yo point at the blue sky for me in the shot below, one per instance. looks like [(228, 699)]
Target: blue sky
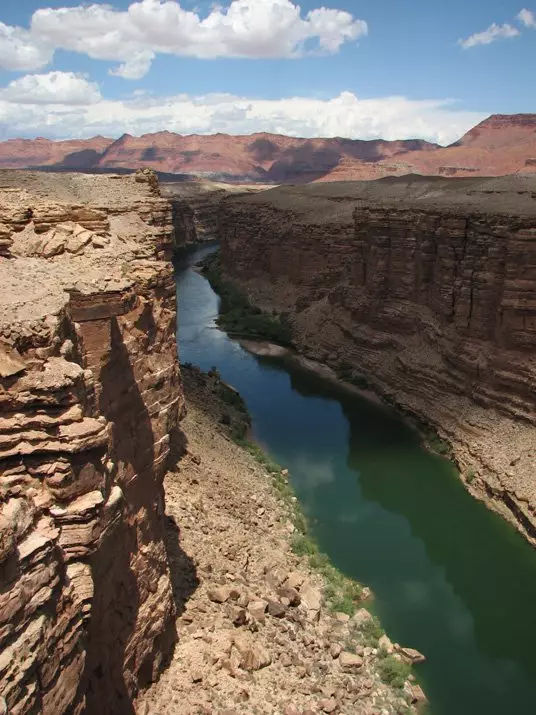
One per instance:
[(376, 67)]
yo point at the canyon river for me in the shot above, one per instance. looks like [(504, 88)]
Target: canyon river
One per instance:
[(450, 578)]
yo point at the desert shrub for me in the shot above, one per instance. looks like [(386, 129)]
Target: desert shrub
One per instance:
[(214, 372), (394, 672), (372, 631)]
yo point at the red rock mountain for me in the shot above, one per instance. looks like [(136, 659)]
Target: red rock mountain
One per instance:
[(74, 153), (502, 144)]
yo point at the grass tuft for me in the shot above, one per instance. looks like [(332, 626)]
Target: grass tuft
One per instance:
[(393, 672)]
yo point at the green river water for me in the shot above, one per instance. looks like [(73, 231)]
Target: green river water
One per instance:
[(450, 578)]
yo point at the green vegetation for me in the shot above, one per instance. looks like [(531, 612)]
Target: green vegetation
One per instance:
[(371, 631), (430, 437), (232, 397), (341, 594), (470, 476), (214, 372), (393, 671), (436, 444), (238, 317), (261, 457)]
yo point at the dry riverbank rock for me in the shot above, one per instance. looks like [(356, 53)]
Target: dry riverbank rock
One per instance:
[(350, 661)]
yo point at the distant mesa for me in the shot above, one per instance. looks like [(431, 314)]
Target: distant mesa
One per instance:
[(502, 144)]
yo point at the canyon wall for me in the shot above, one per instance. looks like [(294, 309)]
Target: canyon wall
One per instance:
[(91, 399), (196, 206), (425, 286)]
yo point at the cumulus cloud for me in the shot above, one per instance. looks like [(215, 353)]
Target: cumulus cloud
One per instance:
[(527, 18), (493, 33), (245, 28), (344, 115), (20, 51), (52, 88), (136, 67)]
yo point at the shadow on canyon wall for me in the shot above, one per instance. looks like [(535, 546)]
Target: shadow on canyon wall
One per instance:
[(131, 554), (184, 578)]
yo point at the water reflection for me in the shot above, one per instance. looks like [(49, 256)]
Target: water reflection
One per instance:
[(451, 578)]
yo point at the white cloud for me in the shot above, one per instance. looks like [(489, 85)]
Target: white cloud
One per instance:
[(19, 51), (493, 33), (136, 67), (344, 115), (52, 88), (245, 28), (528, 18)]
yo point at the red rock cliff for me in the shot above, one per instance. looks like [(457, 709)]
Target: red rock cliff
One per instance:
[(90, 398), (428, 287)]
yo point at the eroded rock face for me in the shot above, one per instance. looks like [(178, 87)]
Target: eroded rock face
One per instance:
[(90, 403), (196, 206), (425, 286)]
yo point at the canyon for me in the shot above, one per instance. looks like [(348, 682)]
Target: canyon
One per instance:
[(145, 556), (151, 560), (425, 288), (501, 144)]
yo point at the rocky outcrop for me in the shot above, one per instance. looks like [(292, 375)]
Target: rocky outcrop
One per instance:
[(90, 400), (425, 286)]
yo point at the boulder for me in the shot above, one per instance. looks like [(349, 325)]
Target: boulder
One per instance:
[(11, 363), (361, 616), (350, 661), (219, 594), (258, 609), (276, 609), (385, 644), (335, 650), (291, 594), (410, 655), (311, 597), (295, 579)]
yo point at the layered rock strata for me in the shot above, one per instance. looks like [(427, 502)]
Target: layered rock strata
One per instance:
[(90, 400), (427, 286), (196, 206)]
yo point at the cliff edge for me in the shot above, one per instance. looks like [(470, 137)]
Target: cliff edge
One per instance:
[(426, 286), (91, 399)]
